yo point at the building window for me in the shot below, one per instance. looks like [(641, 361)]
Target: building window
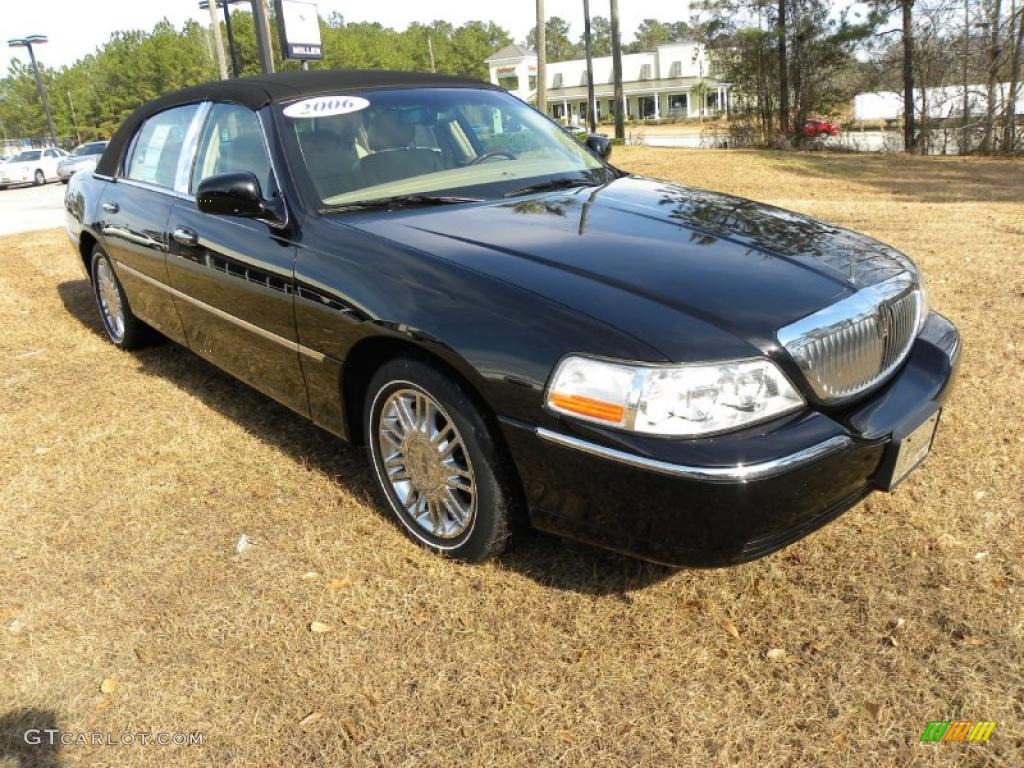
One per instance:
[(713, 101), (676, 70), (646, 106), (533, 82), (583, 78), (557, 82), (678, 104), (645, 71), (509, 83)]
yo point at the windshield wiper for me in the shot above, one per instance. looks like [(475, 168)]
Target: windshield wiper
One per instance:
[(400, 201), (563, 182)]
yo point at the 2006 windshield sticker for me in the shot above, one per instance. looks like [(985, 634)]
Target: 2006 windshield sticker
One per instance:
[(324, 106)]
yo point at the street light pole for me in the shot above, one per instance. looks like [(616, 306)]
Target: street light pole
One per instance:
[(222, 65), (27, 42), (259, 12)]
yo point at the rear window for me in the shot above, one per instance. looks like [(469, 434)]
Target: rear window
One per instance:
[(25, 156), (158, 145), (90, 149)]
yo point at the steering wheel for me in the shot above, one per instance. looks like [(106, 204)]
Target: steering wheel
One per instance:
[(493, 153)]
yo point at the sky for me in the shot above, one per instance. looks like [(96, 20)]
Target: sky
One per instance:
[(76, 27)]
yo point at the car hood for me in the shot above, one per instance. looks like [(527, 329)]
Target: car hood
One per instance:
[(677, 267)]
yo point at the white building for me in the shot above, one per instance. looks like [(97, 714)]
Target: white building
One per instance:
[(666, 82)]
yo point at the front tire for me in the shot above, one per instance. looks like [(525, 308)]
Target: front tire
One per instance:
[(437, 461), (39, 178), (122, 327)]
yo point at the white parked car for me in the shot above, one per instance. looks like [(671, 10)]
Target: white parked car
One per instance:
[(32, 166), (82, 158)]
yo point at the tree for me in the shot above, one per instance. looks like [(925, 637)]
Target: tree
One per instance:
[(557, 44), (651, 33), (781, 31), (1010, 121), (600, 36)]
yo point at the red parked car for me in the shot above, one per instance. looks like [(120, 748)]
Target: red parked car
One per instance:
[(816, 127)]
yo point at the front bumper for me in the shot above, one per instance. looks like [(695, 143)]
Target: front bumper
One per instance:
[(727, 499)]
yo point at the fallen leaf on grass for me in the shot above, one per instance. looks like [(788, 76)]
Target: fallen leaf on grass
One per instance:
[(352, 730), (337, 584), (320, 627), (109, 685), (310, 576), (566, 737), (310, 719), (731, 628), (242, 544), (144, 655), (11, 610), (873, 709), (776, 654), (419, 618)]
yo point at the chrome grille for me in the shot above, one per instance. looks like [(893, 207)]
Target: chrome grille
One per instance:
[(854, 344)]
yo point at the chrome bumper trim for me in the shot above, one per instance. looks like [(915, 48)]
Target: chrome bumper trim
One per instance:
[(740, 473)]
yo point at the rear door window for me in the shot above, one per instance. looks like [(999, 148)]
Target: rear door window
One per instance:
[(158, 145)]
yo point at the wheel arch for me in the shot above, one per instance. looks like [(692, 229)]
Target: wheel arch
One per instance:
[(87, 242), (370, 353)]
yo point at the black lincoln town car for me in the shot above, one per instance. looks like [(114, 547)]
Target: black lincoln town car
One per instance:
[(514, 328)]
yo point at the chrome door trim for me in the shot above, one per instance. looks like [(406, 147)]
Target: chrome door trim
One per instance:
[(132, 237), (741, 473), (263, 332)]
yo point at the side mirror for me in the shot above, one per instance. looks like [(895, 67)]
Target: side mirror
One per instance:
[(600, 145), (235, 194)]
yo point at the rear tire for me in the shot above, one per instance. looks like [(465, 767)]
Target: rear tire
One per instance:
[(39, 178), (121, 325), (438, 464)]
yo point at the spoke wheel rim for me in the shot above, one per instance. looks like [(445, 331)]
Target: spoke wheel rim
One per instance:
[(425, 464), (110, 300)]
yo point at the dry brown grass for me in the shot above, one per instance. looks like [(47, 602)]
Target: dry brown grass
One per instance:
[(125, 480)]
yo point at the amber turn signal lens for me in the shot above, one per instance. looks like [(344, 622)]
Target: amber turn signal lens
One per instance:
[(586, 406)]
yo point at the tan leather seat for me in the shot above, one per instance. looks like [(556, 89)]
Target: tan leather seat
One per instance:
[(395, 155)]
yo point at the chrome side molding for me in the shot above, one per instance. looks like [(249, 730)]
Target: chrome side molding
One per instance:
[(302, 350), (740, 473)]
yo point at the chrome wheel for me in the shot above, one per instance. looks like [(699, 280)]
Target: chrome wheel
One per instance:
[(426, 464), (110, 300)]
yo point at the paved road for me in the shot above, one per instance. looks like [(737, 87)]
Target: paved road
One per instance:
[(866, 141), (23, 209)]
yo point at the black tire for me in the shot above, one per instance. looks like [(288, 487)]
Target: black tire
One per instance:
[(135, 333), (490, 523), (65, 181), (39, 178), (824, 135)]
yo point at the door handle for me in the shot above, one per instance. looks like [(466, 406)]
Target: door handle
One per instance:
[(185, 236), (111, 207)]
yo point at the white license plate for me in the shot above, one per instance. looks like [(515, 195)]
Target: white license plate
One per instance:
[(913, 449)]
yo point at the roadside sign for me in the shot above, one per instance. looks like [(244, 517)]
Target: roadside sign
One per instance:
[(299, 26)]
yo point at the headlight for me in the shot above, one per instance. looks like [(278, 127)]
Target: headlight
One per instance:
[(679, 400)]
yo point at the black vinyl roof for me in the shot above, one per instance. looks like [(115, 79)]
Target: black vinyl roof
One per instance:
[(260, 90)]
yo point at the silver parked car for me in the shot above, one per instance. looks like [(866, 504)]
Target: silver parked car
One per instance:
[(82, 158)]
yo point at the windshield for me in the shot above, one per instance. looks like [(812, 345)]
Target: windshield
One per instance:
[(25, 156), (429, 141), (95, 148)]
